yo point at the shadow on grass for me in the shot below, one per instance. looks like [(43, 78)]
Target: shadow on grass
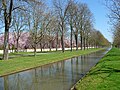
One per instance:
[(0, 58), (106, 70), (102, 70), (20, 55)]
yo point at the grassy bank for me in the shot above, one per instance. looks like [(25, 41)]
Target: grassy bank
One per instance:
[(105, 75), (20, 63)]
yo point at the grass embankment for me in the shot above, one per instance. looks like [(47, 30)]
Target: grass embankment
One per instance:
[(20, 63), (105, 75)]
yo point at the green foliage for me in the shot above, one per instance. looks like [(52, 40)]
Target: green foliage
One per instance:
[(23, 61), (105, 75), (102, 41)]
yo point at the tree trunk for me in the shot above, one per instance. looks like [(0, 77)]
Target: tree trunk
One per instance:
[(41, 46), (62, 42), (7, 20), (81, 39), (35, 49), (57, 42), (87, 43), (49, 45), (6, 43), (56, 47), (76, 41), (71, 36), (84, 44), (17, 45)]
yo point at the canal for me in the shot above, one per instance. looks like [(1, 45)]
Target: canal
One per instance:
[(57, 76)]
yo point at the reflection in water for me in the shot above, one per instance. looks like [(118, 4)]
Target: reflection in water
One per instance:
[(58, 76)]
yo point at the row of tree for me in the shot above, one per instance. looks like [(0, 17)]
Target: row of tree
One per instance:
[(66, 19)]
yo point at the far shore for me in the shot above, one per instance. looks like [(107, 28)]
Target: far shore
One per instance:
[(38, 50)]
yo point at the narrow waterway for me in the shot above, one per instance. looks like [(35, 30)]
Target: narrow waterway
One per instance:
[(57, 76)]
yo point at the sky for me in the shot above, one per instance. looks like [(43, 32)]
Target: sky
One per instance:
[(100, 14)]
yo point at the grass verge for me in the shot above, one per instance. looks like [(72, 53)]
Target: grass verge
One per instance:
[(105, 75), (23, 63)]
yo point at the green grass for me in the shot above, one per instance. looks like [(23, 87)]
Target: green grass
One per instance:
[(105, 75), (20, 63)]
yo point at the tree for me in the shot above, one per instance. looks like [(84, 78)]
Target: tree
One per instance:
[(87, 24), (114, 7), (71, 13), (49, 24), (76, 33), (77, 25), (116, 38), (84, 23), (36, 23), (7, 11), (98, 39), (8, 7), (92, 37), (61, 11), (57, 31), (19, 25), (88, 28), (114, 16)]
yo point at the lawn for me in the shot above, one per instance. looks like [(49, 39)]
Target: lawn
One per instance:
[(105, 75), (24, 61)]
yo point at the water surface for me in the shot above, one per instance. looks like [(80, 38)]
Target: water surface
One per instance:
[(57, 76)]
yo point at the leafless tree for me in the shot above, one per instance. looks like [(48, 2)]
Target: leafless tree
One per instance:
[(88, 28), (19, 25), (50, 28), (114, 16), (61, 8), (88, 20), (35, 23), (71, 13), (76, 33), (114, 8), (80, 22), (7, 8)]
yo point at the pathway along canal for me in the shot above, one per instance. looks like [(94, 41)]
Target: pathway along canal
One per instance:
[(57, 76)]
